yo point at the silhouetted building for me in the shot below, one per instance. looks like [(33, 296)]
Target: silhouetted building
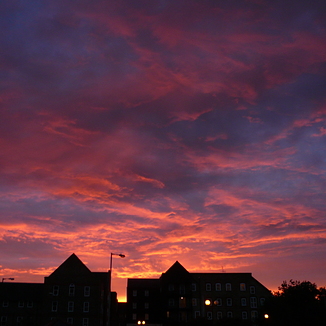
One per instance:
[(179, 297)]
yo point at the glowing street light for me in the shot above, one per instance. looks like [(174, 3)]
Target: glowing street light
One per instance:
[(207, 302), (266, 316)]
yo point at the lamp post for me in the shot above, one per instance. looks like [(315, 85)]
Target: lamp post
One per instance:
[(110, 297), (7, 278)]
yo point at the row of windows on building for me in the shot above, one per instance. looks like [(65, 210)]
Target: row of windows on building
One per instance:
[(21, 304), (219, 302), (70, 306), (135, 293), (71, 290), (70, 320), (229, 314), (218, 287)]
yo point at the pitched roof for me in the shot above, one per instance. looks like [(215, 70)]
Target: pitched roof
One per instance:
[(71, 266), (176, 271)]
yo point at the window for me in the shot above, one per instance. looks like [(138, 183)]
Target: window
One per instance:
[(228, 287), (197, 314), (253, 302), (146, 316), (242, 286), (72, 289), (171, 302), (209, 315), (229, 302), (219, 315), (85, 321), (171, 287), (21, 304), (218, 287), (229, 314), (243, 302), (70, 320), (146, 293), (134, 293), (134, 316), (244, 315), (55, 290), (208, 287), (5, 304), (146, 305), (86, 307), (54, 306), (254, 314), (218, 302), (252, 290), (134, 305), (87, 291), (29, 304), (193, 287), (70, 306), (194, 302), (262, 301)]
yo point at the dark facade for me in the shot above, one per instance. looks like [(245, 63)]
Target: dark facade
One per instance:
[(183, 298), (71, 295)]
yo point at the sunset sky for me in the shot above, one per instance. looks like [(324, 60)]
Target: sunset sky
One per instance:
[(165, 130)]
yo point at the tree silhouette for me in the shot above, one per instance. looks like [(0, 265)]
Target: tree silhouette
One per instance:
[(297, 303)]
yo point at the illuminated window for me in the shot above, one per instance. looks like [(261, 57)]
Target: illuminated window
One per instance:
[(72, 289), (208, 287), (70, 306), (218, 302), (242, 286), (228, 287), (86, 307), (218, 287), (87, 291), (55, 290)]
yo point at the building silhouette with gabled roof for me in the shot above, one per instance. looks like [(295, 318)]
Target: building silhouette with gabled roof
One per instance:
[(179, 297)]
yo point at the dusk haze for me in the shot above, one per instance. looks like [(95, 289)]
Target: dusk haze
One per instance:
[(163, 131)]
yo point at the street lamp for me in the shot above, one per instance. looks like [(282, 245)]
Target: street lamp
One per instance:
[(7, 278), (121, 256)]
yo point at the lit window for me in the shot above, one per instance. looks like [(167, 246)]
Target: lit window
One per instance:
[(252, 290), (72, 289), (242, 286), (243, 302), (55, 290), (218, 302), (134, 293), (85, 321), (146, 293), (228, 287), (194, 302), (244, 315), (54, 306), (219, 315), (87, 291), (229, 302), (134, 305), (253, 302), (193, 287), (209, 315), (229, 314), (254, 314), (208, 287), (70, 306), (86, 307), (218, 287)]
